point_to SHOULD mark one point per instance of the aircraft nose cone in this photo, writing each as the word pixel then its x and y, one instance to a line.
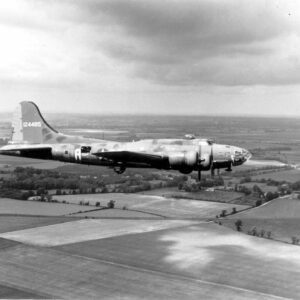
pixel 247 154
pixel 240 156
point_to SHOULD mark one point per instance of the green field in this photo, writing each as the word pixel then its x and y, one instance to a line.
pixel 19 207
pixel 12 223
pixel 288 175
pixel 87 229
pixel 209 253
pixel 161 206
pixel 118 213
pixel 8 292
pixel 215 196
pixel 149 260
pixel 63 275
pixel 280 216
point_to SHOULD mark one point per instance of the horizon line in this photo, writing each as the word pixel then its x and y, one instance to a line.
pixel 108 113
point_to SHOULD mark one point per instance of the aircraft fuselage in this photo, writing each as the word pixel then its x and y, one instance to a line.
pixel 33 137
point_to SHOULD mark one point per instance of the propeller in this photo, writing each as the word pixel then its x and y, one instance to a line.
pixel 199 174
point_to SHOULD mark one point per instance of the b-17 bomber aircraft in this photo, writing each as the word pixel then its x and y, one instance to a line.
pixel 33 137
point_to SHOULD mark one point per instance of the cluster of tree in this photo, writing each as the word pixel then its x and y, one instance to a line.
pixel 295 186
pixel 27 182
pixel 257 191
pixel 225 213
pixel 260 233
pixel 33 179
pixel 245 179
pixel 14 194
pixel 271 195
pixel 244 189
pixel 206 182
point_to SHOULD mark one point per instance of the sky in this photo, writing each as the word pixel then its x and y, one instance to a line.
pixel 214 57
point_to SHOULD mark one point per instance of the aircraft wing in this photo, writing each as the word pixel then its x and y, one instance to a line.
pixel 131 157
pixel 24 147
pixel 42 151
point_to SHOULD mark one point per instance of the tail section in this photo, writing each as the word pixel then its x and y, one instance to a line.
pixel 29 126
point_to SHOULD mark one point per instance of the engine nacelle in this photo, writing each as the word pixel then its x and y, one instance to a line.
pixel 206 156
pixel 185 162
pixel 205 161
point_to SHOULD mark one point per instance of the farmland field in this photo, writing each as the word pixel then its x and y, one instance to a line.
pixel 207 252
pixel 165 207
pixel 215 196
pixel 161 259
pixel 87 229
pixel 12 223
pixel 264 187
pixel 19 207
pixel 280 216
pixel 288 175
pixel 118 213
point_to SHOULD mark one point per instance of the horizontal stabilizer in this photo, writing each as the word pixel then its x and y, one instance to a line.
pixel 33 151
pixel 23 147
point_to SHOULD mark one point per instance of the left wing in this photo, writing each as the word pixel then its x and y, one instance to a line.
pixel 131 157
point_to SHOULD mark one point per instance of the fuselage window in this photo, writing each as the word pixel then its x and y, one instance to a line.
pixel 66 152
pixel 86 149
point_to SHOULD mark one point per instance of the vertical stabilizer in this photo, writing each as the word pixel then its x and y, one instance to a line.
pixel 30 127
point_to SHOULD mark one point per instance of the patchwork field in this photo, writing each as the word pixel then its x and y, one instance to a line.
pixel 118 213
pixel 10 292
pixel 149 260
pixel 205 252
pixel 57 274
pixel 85 230
pixel 13 222
pixel 280 216
pixel 19 207
pixel 160 206
pixel 288 175
pixel 216 196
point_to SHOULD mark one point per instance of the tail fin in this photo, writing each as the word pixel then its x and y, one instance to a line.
pixel 29 126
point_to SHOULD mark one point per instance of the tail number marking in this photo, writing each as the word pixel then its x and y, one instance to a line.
pixel 32 124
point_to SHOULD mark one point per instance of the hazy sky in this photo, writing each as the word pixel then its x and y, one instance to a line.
pixel 154 56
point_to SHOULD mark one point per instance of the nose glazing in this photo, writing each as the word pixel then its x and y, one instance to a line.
pixel 247 155
pixel 240 155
